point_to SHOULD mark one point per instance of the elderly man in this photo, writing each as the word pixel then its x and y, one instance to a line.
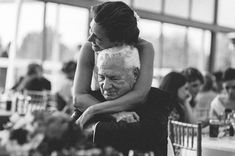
pixel 118 70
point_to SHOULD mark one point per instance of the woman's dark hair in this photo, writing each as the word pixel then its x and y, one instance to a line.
pixel 208 83
pixel 229 74
pixel 118 20
pixel 32 68
pixel 192 74
pixel 172 82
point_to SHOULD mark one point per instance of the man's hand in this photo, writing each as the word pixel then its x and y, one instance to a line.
pixel 128 117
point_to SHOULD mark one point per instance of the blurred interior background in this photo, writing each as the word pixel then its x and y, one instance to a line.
pixel 196 33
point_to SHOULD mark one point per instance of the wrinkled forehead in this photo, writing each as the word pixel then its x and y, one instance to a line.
pixel 111 62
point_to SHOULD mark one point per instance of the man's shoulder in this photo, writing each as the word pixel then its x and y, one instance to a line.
pixel 158 99
pixel 158 94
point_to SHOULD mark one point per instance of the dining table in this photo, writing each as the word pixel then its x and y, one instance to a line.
pixel 219 146
pixel 215 146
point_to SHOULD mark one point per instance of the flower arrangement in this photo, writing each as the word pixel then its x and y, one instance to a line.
pixel 42 133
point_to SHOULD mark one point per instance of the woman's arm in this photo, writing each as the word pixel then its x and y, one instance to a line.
pixel 141 88
pixel 83 77
pixel 189 114
pixel 132 98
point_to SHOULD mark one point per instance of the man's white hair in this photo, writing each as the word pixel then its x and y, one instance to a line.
pixel 128 54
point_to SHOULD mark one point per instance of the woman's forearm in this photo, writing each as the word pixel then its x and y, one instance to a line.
pixel 189 113
pixel 124 103
pixel 82 102
pixel 138 94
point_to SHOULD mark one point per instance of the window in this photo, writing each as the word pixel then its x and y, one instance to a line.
pixel 177 8
pixel 29 39
pixel 150 31
pixel 203 10
pixel 7 23
pixel 225 13
pixel 225 53
pixel 149 5
pixel 67 29
pixel 198 48
pixel 174 54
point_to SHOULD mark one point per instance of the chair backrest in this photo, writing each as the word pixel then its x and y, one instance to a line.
pixel 37 100
pixel 187 136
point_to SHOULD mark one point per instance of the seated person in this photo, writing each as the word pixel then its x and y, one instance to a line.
pixel 226 100
pixel 204 98
pixel 33 80
pixel 195 81
pixel 176 84
pixel 147 128
pixel 64 93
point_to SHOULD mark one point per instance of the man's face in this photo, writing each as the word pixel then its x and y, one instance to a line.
pixel 115 80
pixel 194 87
pixel 98 37
pixel 229 86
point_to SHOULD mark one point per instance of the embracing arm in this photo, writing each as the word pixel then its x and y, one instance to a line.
pixel 141 88
pixel 83 77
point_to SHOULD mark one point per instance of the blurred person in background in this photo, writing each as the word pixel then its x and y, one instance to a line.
pixel 64 93
pixel 204 97
pixel 218 79
pixel 195 81
pixel 176 84
pixel 224 100
pixel 33 80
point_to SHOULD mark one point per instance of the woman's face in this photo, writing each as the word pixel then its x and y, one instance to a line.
pixel 98 37
pixel 183 92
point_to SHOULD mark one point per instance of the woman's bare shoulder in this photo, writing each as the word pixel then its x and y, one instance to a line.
pixel 86 55
pixel 143 43
pixel 145 46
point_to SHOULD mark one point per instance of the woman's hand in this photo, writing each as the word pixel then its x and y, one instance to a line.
pixel 85 117
pixel 128 117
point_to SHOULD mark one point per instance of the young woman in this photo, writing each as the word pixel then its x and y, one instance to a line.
pixel 113 24
pixel 176 84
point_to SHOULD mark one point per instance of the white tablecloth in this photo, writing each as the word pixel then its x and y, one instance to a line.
pixel 224 146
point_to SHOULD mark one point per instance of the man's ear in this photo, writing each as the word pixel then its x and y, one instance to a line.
pixel 136 72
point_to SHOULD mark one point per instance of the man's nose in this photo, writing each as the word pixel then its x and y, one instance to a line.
pixel 107 84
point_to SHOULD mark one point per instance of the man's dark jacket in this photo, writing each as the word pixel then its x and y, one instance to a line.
pixel 150 133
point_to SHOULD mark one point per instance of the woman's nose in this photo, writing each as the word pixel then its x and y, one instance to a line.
pixel 91 38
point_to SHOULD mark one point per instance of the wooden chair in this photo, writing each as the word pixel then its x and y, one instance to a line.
pixel 186 136
pixel 36 100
